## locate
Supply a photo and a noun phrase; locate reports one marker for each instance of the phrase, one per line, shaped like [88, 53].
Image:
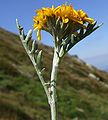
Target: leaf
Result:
[62, 51]
[72, 43]
[90, 28]
[39, 59]
[29, 36]
[34, 47]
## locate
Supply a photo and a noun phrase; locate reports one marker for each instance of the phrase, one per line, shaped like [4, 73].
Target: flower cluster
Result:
[65, 14]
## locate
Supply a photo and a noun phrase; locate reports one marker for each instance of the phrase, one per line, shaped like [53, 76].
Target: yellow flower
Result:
[67, 14]
[38, 23]
[45, 12]
[84, 17]
[64, 12]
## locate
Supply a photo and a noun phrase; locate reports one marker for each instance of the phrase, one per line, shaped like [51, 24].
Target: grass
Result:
[28, 96]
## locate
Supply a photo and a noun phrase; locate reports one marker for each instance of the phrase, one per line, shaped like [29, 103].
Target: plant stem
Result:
[24, 41]
[53, 85]
[39, 73]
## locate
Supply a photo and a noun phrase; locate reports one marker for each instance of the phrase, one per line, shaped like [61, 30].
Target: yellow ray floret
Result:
[84, 16]
[39, 35]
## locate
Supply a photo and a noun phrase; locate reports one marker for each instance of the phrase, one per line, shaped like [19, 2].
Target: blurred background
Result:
[93, 49]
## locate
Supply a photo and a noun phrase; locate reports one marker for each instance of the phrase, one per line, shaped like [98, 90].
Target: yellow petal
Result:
[39, 35]
[89, 20]
[52, 7]
[82, 14]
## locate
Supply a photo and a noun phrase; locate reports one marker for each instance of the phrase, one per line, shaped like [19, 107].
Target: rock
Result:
[91, 75]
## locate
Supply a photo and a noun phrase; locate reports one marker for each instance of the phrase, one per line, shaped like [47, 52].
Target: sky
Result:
[94, 45]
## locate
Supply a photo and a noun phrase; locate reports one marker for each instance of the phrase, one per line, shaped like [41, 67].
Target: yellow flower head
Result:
[66, 14]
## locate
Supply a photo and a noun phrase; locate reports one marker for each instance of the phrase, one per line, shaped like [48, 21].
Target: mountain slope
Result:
[100, 61]
[82, 89]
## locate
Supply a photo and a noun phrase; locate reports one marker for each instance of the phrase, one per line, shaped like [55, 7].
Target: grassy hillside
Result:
[82, 89]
